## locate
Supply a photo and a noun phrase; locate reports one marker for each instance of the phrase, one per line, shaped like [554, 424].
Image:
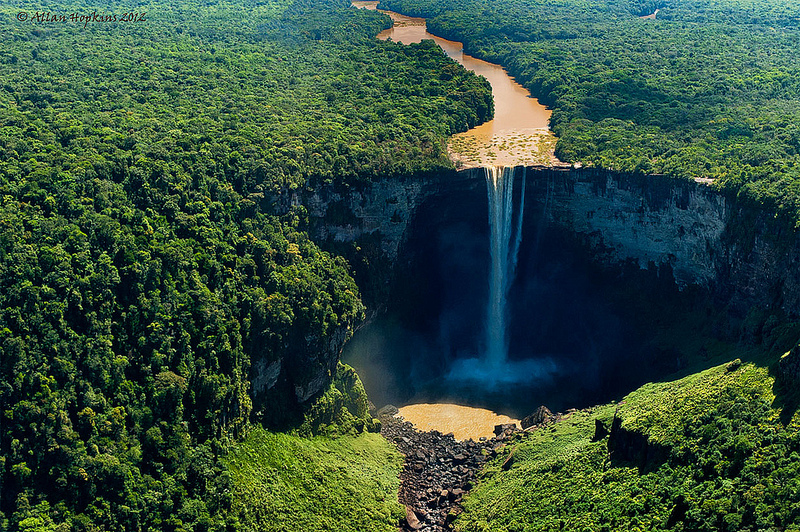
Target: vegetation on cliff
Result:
[709, 89]
[143, 270]
[712, 451]
[334, 472]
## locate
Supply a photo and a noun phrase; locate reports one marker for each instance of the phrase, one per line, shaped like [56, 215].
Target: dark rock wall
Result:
[746, 255]
[371, 219]
[645, 218]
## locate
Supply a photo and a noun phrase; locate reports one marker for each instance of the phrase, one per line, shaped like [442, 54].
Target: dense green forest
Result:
[142, 263]
[706, 90]
[145, 266]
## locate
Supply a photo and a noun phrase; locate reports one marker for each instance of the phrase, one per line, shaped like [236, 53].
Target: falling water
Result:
[504, 247]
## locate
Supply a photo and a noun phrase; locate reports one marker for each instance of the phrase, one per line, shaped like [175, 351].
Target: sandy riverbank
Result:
[463, 421]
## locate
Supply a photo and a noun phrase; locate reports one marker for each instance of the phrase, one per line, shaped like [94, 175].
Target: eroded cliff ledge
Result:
[744, 254]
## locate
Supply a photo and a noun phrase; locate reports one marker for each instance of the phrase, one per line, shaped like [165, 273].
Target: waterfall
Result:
[504, 248]
[492, 370]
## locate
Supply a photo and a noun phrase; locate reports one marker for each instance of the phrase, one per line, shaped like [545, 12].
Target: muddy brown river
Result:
[519, 133]
[464, 422]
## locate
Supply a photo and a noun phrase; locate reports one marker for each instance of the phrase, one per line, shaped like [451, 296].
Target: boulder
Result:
[500, 429]
[733, 365]
[542, 415]
[451, 517]
[388, 410]
[509, 461]
[376, 425]
[634, 448]
[600, 430]
[412, 520]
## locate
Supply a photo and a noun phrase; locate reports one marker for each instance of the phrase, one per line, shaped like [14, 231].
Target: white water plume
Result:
[504, 248]
[477, 372]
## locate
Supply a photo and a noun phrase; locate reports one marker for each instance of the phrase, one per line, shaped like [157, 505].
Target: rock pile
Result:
[438, 471]
[542, 416]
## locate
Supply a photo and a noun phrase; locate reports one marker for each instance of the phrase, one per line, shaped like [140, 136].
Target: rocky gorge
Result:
[690, 235]
[439, 470]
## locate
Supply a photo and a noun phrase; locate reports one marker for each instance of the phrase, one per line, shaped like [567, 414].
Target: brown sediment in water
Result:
[365, 4]
[519, 134]
[651, 16]
[463, 421]
[527, 147]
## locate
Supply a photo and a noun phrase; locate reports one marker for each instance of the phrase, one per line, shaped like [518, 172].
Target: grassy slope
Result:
[334, 477]
[288, 483]
[733, 465]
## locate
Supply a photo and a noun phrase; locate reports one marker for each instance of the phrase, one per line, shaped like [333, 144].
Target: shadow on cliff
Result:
[787, 400]
[599, 332]
[786, 373]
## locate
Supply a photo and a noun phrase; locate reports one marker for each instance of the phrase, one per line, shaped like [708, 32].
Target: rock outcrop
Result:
[744, 254]
[600, 430]
[282, 385]
[542, 415]
[631, 447]
[789, 369]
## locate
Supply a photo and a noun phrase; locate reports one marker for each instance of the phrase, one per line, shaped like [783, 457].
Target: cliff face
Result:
[759, 263]
[285, 379]
[347, 215]
[367, 225]
[645, 219]
[746, 255]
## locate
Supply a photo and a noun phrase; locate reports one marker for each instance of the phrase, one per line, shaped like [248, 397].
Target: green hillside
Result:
[288, 483]
[719, 456]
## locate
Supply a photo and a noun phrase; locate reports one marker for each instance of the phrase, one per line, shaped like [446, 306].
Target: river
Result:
[519, 133]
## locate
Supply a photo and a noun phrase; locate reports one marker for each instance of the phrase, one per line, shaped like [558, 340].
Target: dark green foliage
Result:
[142, 265]
[125, 346]
[342, 409]
[709, 89]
